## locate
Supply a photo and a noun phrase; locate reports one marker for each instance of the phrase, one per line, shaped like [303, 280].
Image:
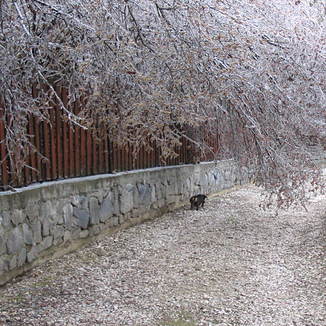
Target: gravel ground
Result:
[227, 264]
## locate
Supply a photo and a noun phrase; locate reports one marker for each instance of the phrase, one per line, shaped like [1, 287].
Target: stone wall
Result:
[50, 219]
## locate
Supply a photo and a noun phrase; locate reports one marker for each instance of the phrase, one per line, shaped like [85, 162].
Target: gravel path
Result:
[228, 264]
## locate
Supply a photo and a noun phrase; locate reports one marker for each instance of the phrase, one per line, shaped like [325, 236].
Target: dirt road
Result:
[228, 264]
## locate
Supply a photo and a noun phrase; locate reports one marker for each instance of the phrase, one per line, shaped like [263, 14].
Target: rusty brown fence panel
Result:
[61, 150]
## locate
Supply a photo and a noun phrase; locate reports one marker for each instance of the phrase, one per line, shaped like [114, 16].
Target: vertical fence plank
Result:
[37, 144]
[125, 157]
[141, 157]
[150, 156]
[122, 157]
[27, 169]
[89, 152]
[153, 154]
[65, 136]
[106, 154]
[112, 158]
[147, 158]
[138, 159]
[60, 138]
[118, 157]
[128, 157]
[111, 162]
[182, 160]
[83, 156]
[53, 130]
[101, 159]
[33, 160]
[66, 148]
[77, 142]
[47, 151]
[31, 132]
[83, 145]
[35, 132]
[71, 153]
[157, 154]
[4, 181]
[94, 157]
[144, 158]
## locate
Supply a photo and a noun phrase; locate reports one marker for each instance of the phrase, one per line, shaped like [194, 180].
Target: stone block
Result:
[60, 219]
[17, 216]
[48, 211]
[79, 201]
[27, 234]
[98, 194]
[153, 194]
[3, 247]
[29, 197]
[67, 236]
[144, 195]
[106, 208]
[4, 203]
[4, 266]
[22, 257]
[94, 209]
[82, 217]
[58, 232]
[171, 189]
[5, 220]
[75, 233]
[126, 198]
[59, 211]
[37, 232]
[13, 262]
[46, 243]
[158, 191]
[32, 211]
[32, 254]
[50, 192]
[46, 225]
[66, 190]
[112, 221]
[67, 215]
[115, 201]
[83, 202]
[95, 230]
[15, 241]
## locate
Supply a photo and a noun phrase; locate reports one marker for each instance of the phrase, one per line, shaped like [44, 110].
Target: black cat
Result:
[197, 201]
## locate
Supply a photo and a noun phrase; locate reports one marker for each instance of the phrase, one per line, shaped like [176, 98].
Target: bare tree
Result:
[254, 74]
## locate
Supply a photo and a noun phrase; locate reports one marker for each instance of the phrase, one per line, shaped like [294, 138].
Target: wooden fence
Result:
[68, 152]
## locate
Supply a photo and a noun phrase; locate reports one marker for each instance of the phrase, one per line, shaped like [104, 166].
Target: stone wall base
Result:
[48, 220]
